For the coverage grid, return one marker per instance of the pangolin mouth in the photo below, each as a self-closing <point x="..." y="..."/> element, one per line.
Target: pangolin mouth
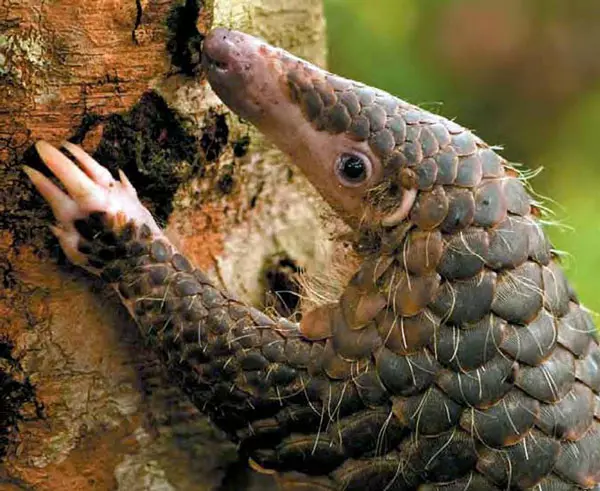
<point x="212" y="64"/>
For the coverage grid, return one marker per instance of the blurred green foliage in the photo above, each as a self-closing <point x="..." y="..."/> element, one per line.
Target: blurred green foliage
<point x="524" y="74"/>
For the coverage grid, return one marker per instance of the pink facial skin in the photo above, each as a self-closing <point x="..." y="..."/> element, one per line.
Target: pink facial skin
<point x="251" y="77"/>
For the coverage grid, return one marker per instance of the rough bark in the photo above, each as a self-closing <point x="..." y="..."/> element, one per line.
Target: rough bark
<point x="83" y="404"/>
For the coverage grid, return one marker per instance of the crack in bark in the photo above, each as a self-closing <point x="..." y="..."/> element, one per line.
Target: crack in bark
<point x="138" y="21"/>
<point x="184" y="43"/>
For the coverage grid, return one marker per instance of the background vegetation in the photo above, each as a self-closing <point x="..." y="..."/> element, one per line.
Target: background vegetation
<point x="525" y="74"/>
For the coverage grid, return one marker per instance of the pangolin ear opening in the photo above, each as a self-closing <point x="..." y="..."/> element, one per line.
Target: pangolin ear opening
<point x="400" y="213"/>
<point x="396" y="196"/>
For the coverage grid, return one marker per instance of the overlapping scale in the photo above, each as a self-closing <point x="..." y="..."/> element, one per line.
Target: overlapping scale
<point x="481" y="387"/>
<point x="471" y="345"/>
<point x="505" y="423"/>
<point x="429" y="413"/>
<point x="523" y="465"/>
<point x="457" y="359"/>
<point x="483" y="342"/>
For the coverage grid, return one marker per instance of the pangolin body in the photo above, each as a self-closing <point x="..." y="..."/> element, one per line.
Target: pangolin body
<point x="458" y="356"/>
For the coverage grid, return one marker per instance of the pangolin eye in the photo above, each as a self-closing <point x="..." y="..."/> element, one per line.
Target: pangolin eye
<point x="352" y="169"/>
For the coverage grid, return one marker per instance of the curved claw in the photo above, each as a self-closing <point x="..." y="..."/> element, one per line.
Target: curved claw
<point x="93" y="169"/>
<point x="75" y="181"/>
<point x="124" y="180"/>
<point x="68" y="242"/>
<point x="61" y="203"/>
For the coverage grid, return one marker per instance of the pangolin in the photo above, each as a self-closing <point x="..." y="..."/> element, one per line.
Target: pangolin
<point x="458" y="357"/>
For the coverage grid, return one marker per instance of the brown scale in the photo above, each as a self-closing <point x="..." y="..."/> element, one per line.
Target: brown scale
<point x="478" y="210"/>
<point x="464" y="254"/>
<point x="481" y="387"/>
<point x="360" y="307"/>
<point x="433" y="459"/>
<point x="571" y="417"/>
<point x="429" y="413"/>
<point x="470" y="482"/>
<point x="384" y="472"/>
<point x="367" y="431"/>
<point x="522" y="465"/>
<point x="422" y="252"/>
<point x="508" y="244"/>
<point x="409" y="294"/>
<point x="457" y="358"/>
<point x="505" y="423"/>
<point x="354" y="344"/>
<point x="405" y="375"/>
<point x="406" y="335"/>
<point x="519" y="293"/>
<point x="470" y="346"/>
<point x="534" y="343"/>
<point x="552" y="379"/>
<point x="578" y="461"/>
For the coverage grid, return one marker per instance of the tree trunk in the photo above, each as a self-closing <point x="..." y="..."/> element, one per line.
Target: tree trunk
<point x="83" y="403"/>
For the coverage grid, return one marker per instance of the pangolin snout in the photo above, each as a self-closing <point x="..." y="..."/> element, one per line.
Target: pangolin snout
<point x="217" y="49"/>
